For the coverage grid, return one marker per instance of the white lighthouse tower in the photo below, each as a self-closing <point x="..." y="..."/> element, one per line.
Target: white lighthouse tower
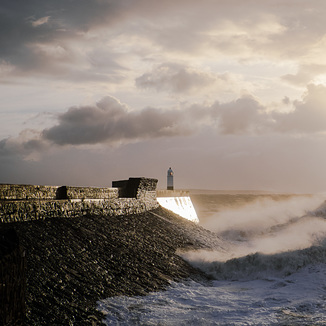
<point x="170" y="179"/>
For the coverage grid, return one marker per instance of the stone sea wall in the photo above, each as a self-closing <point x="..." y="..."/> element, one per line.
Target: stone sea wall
<point x="68" y="192"/>
<point x="27" y="202"/>
<point x="54" y="271"/>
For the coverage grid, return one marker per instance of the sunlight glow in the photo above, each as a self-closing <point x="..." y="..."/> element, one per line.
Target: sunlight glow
<point x="181" y="206"/>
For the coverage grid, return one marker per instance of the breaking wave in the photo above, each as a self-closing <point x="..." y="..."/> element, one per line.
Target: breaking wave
<point x="262" y="248"/>
<point x="261" y="266"/>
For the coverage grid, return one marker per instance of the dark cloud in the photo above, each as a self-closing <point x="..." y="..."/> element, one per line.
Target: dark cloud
<point x="245" y="115"/>
<point x="29" y="144"/>
<point x="109" y="121"/>
<point x="18" y="31"/>
<point x="36" y="35"/>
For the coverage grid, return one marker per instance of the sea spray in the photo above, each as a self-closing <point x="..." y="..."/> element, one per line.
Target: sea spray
<point x="260" y="214"/>
<point x="278" y="246"/>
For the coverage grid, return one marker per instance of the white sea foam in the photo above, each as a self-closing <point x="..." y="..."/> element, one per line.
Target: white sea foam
<point x="261" y="266"/>
<point x="298" y="299"/>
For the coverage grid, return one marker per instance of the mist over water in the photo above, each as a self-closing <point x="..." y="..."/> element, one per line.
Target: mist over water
<point x="272" y="270"/>
<point x="264" y="236"/>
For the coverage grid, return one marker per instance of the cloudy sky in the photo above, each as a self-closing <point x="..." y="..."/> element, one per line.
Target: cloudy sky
<point x="230" y="93"/>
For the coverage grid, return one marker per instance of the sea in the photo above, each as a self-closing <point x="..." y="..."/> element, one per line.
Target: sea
<point x="271" y="271"/>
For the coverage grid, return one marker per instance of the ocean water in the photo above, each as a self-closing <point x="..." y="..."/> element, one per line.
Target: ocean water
<point x="273" y="271"/>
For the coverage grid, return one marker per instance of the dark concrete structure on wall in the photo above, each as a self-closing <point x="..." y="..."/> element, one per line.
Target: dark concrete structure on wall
<point x="136" y="187"/>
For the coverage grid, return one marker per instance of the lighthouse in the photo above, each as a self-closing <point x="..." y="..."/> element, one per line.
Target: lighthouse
<point x="170" y="179"/>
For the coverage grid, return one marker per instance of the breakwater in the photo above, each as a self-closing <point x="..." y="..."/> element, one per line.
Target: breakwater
<point x="65" y="248"/>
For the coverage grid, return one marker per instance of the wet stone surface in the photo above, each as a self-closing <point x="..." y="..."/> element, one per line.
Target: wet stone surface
<point x="74" y="262"/>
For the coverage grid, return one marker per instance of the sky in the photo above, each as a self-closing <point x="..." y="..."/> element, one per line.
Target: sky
<point x="231" y="93"/>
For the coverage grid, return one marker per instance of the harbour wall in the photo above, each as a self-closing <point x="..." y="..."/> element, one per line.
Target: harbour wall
<point x="20" y="203"/>
<point x="91" y="206"/>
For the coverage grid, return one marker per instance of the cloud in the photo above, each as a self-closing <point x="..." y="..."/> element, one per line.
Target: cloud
<point x="110" y="121"/>
<point x="306" y="74"/>
<point x="45" y="37"/>
<point x="66" y="39"/>
<point x="113" y="123"/>
<point x="245" y="115"/>
<point x="40" y="21"/>
<point x="29" y="144"/>
<point x="308" y="115"/>
<point x="243" y="30"/>
<point x="175" y="78"/>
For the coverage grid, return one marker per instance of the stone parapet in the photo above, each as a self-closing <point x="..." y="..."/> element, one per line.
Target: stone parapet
<point x="23" y="192"/>
<point x="68" y="192"/>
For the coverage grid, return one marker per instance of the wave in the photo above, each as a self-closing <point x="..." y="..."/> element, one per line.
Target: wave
<point x="261" y="266"/>
<point x="267" y="245"/>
